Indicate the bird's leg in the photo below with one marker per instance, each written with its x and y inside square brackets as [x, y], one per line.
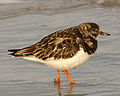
[68, 76]
[59, 90]
[57, 79]
[71, 81]
[71, 87]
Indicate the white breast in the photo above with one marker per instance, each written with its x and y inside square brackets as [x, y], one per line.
[64, 64]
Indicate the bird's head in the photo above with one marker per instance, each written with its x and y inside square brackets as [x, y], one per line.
[92, 29]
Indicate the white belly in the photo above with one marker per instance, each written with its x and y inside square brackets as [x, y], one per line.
[64, 64]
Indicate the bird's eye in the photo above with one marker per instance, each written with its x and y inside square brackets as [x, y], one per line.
[94, 29]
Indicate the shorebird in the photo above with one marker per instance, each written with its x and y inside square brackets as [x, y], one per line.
[65, 49]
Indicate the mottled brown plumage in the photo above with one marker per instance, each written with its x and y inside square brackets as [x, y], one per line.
[65, 49]
[64, 43]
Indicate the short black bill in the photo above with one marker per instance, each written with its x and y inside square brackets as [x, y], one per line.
[104, 34]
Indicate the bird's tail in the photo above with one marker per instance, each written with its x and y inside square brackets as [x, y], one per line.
[14, 52]
[27, 51]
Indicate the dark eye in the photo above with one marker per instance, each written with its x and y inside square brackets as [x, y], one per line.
[94, 29]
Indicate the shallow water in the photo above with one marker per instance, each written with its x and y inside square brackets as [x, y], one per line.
[24, 23]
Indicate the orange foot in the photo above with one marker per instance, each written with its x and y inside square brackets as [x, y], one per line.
[57, 79]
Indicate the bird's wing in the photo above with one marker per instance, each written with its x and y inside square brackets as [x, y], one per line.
[59, 45]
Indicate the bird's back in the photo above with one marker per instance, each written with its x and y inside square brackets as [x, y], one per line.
[61, 44]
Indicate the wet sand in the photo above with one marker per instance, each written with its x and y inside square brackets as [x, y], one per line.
[26, 23]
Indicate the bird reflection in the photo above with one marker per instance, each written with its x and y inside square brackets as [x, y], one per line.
[69, 90]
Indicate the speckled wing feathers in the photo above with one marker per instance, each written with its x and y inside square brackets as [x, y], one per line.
[64, 44]
[60, 44]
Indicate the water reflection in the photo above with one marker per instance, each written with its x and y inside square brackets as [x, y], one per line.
[70, 88]
[69, 91]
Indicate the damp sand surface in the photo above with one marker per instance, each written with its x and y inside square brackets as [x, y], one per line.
[26, 22]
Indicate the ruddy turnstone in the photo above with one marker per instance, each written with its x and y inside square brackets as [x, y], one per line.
[64, 49]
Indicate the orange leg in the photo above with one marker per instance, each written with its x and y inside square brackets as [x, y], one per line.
[57, 79]
[68, 76]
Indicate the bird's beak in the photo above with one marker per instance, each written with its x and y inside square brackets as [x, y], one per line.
[103, 33]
